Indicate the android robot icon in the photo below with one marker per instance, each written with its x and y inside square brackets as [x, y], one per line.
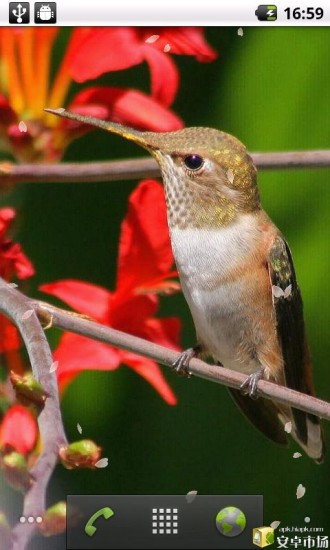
[45, 13]
[263, 536]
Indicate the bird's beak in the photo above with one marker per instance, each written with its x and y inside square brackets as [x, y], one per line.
[144, 139]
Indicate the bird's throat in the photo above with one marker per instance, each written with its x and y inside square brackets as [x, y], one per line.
[192, 205]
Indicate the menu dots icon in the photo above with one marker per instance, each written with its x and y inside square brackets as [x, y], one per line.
[165, 521]
[30, 519]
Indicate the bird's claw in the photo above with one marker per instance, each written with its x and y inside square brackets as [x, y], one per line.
[250, 385]
[181, 364]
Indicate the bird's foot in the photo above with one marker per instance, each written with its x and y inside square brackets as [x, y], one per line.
[250, 385]
[181, 364]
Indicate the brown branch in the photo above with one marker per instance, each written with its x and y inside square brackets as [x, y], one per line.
[66, 321]
[293, 159]
[132, 169]
[13, 304]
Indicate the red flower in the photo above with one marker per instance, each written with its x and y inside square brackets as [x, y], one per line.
[33, 135]
[25, 54]
[130, 46]
[13, 263]
[128, 107]
[9, 339]
[18, 430]
[144, 265]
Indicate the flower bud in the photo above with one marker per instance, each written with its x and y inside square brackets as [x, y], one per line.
[16, 472]
[29, 391]
[80, 454]
[53, 520]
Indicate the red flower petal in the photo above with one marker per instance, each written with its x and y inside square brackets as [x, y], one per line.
[165, 332]
[15, 261]
[145, 257]
[76, 353]
[97, 51]
[151, 372]
[129, 313]
[18, 430]
[12, 260]
[9, 339]
[129, 107]
[6, 216]
[7, 113]
[182, 40]
[144, 250]
[92, 52]
[86, 298]
[164, 75]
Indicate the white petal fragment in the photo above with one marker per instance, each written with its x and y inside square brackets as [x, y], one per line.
[240, 31]
[277, 291]
[275, 524]
[153, 38]
[79, 428]
[288, 427]
[166, 48]
[53, 366]
[22, 126]
[288, 291]
[230, 175]
[27, 314]
[102, 463]
[13, 285]
[301, 490]
[297, 455]
[190, 497]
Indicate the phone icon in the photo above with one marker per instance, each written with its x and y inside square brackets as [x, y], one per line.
[105, 512]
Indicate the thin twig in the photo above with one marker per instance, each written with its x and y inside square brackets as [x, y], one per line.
[132, 169]
[65, 321]
[14, 305]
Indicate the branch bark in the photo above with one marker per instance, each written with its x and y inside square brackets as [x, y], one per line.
[133, 169]
[65, 321]
[13, 304]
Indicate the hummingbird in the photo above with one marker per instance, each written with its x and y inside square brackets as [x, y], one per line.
[236, 272]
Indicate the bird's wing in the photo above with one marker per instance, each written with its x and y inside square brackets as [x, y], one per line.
[288, 314]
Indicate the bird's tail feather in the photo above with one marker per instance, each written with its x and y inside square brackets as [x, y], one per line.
[270, 418]
[313, 444]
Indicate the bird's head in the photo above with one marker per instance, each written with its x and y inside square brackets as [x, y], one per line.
[209, 176]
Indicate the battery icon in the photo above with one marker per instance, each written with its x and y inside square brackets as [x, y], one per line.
[266, 12]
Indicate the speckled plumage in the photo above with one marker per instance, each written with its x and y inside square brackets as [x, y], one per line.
[215, 200]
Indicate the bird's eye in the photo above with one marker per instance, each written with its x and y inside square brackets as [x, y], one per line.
[194, 162]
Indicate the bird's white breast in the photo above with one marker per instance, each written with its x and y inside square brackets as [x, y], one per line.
[206, 260]
[202, 254]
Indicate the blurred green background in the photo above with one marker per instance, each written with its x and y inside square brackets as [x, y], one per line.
[270, 88]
